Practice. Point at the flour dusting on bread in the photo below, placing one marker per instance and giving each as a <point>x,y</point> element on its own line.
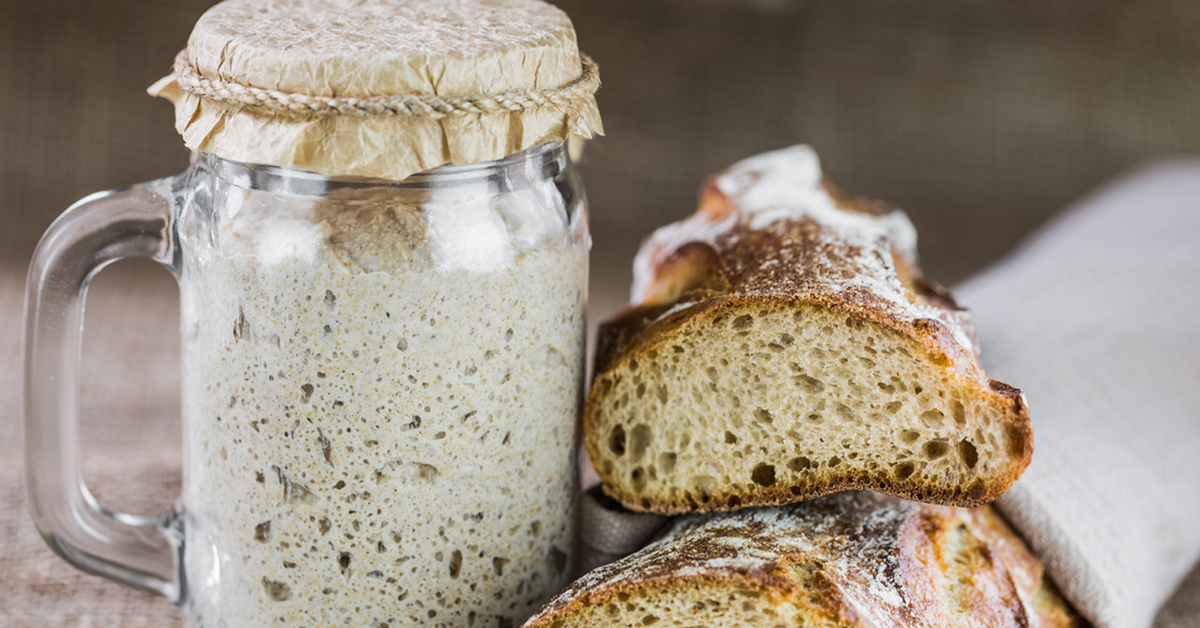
<point>855,560</point>
<point>782,344</point>
<point>787,184</point>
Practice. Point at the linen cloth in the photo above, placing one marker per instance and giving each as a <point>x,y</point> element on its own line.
<point>1097,319</point>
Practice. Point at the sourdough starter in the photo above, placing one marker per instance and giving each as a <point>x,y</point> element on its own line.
<point>380,407</point>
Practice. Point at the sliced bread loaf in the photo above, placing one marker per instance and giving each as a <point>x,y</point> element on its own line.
<point>782,345</point>
<point>854,560</point>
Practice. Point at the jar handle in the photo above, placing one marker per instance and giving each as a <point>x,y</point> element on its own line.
<point>142,552</point>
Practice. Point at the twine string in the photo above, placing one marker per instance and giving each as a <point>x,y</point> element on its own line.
<point>432,107</point>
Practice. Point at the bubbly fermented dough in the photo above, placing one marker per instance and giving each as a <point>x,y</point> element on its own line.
<point>380,415</point>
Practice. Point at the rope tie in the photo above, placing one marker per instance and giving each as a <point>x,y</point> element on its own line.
<point>432,107</point>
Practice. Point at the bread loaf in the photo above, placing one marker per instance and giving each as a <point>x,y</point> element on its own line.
<point>782,345</point>
<point>859,559</point>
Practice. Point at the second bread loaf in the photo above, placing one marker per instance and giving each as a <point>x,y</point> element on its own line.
<point>854,560</point>
<point>783,345</point>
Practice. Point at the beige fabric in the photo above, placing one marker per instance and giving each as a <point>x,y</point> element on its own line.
<point>608,532</point>
<point>481,50</point>
<point>1096,319</point>
<point>42,591</point>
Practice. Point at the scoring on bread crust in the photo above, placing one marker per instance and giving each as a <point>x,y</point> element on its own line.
<point>782,345</point>
<point>853,250</point>
<point>858,560</point>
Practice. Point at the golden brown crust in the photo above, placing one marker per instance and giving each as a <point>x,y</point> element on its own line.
<point>726,261</point>
<point>852,560</point>
<point>799,261</point>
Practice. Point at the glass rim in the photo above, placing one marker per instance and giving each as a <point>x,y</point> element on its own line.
<point>287,179</point>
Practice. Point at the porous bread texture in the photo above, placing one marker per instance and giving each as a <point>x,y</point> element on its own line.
<point>782,345</point>
<point>775,403</point>
<point>854,560</point>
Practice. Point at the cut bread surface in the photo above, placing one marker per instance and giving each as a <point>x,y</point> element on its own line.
<point>782,345</point>
<point>773,402</point>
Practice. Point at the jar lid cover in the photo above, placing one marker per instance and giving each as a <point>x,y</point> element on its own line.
<point>380,88</point>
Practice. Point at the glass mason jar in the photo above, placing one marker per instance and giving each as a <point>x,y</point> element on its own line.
<point>381,388</point>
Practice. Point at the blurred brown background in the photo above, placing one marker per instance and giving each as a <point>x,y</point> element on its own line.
<point>979,117</point>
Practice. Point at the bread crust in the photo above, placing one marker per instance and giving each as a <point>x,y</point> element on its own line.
<point>858,560</point>
<point>857,258</point>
